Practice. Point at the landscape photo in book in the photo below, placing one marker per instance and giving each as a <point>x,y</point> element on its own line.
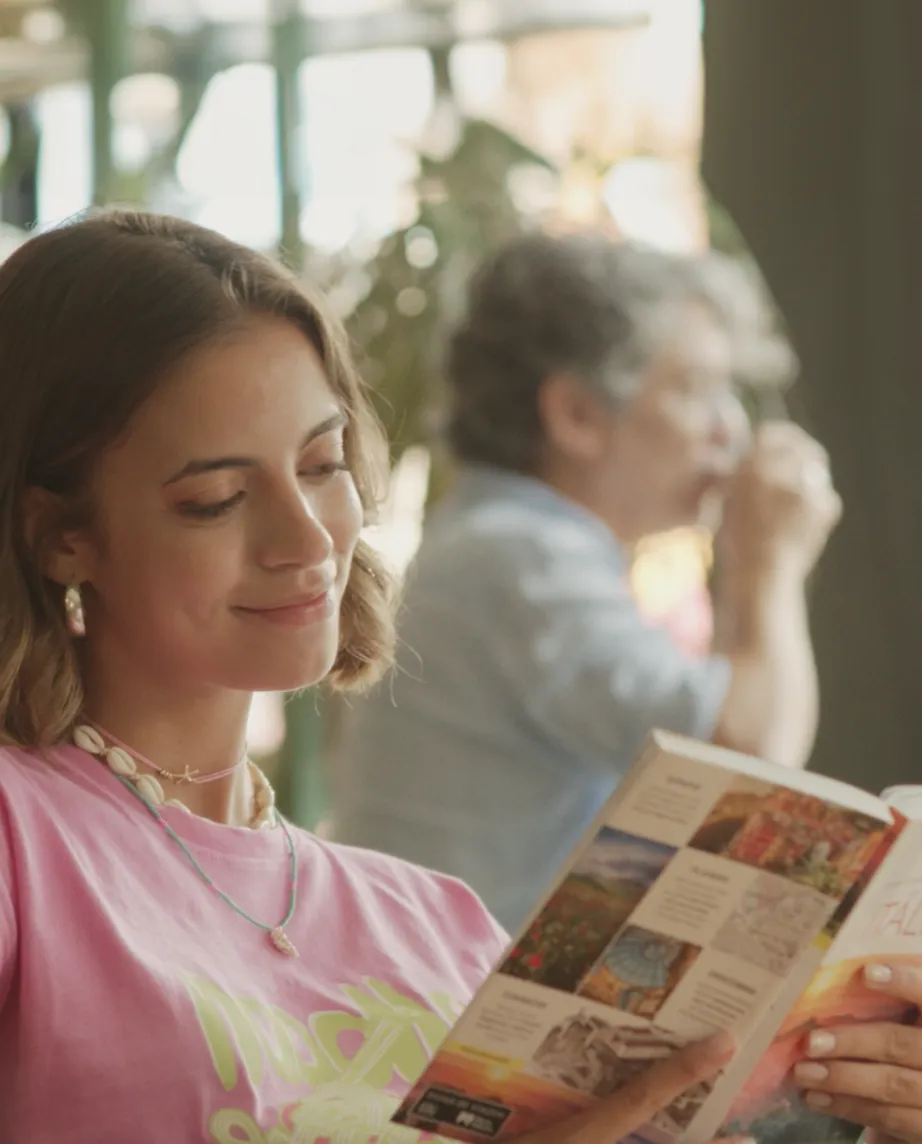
<point>586,911</point>
<point>782,831</point>
<point>581,1058</point>
<point>484,1098</point>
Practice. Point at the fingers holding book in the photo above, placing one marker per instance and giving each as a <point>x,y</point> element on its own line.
<point>617,1116</point>
<point>871,1074</point>
<point>890,1120</point>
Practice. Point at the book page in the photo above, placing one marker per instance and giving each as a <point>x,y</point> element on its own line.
<point>885,924</point>
<point>807,782</point>
<point>696,898</point>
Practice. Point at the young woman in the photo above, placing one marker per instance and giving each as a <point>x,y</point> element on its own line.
<point>186,461</point>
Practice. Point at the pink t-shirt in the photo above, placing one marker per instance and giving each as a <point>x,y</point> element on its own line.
<point>137,1008</point>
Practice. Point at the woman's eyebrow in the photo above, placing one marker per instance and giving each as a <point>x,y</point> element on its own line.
<point>212,464</point>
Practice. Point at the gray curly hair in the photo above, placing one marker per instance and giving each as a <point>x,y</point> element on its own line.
<point>600,309</point>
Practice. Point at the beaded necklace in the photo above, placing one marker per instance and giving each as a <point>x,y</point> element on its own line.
<point>279,939</point>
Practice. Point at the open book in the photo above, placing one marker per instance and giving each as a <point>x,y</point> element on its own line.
<point>713,891</point>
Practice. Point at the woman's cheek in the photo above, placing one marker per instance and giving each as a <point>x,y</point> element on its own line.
<point>344,513</point>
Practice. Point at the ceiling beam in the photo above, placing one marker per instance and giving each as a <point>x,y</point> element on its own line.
<point>27,68</point>
<point>436,28</point>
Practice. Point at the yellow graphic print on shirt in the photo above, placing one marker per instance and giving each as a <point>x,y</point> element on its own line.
<point>348,1102</point>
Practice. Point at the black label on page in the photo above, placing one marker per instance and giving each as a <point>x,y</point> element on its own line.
<point>446,1107</point>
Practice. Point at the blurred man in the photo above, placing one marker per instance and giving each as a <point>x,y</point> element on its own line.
<point>594,402</point>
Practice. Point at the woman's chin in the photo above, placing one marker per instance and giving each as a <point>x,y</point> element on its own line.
<point>284,676</point>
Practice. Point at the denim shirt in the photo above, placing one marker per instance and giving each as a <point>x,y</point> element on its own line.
<point>526,682</point>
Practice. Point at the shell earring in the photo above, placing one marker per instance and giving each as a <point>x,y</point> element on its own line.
<point>73,611</point>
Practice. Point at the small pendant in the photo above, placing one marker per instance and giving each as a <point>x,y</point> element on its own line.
<point>282,942</point>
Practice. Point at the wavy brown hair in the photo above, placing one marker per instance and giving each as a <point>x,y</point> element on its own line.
<point>93,315</point>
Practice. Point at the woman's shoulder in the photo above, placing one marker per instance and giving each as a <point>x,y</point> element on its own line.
<point>21,770</point>
<point>35,770</point>
<point>432,909</point>
<point>40,784</point>
<point>403,878</point>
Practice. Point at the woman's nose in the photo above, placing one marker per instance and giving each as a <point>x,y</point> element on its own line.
<point>294,535</point>
<point>730,428</point>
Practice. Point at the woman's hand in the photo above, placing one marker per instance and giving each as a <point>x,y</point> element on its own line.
<point>781,503</point>
<point>619,1115</point>
<point>871,1074</point>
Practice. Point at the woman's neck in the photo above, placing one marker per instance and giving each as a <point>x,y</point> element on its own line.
<point>202,735</point>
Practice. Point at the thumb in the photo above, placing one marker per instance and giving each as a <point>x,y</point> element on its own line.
<point>620,1114</point>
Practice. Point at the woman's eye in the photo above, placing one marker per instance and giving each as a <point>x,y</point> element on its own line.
<point>210,511</point>
<point>324,469</point>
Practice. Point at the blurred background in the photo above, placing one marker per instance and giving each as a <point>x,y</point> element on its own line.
<point>381,147</point>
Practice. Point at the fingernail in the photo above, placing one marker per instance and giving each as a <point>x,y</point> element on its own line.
<point>819,1044</point>
<point>818,1099</point>
<point>878,974</point>
<point>808,1071</point>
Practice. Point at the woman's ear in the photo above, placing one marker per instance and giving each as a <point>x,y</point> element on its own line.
<point>56,549</point>
<point>574,419</point>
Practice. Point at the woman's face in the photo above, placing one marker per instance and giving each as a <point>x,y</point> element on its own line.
<point>225,523</point>
<point>675,446</point>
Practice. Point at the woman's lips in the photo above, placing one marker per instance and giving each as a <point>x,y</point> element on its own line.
<point>298,614</point>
